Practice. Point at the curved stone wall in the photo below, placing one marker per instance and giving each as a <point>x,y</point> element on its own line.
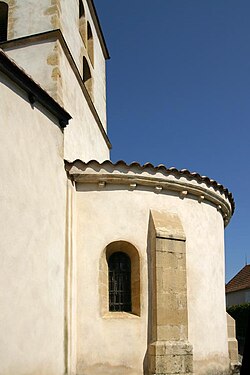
<point>115,205</point>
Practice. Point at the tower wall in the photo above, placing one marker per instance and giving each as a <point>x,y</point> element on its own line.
<point>31,17</point>
<point>51,50</point>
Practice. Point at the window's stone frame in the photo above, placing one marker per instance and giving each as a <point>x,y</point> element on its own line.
<point>132,252</point>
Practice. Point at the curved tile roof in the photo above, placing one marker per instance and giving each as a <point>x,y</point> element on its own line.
<point>161,168</point>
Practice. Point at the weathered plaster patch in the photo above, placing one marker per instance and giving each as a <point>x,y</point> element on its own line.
<point>212,366</point>
<point>54,11</point>
<point>53,59</point>
<point>107,369</point>
<point>56,74</point>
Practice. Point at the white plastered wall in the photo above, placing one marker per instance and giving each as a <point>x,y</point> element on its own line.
<point>34,60</point>
<point>53,72</point>
<point>83,138</point>
<point>32,17</point>
<point>32,238</point>
<point>118,345</point>
<point>29,16</point>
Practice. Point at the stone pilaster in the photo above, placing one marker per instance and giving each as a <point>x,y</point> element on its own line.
<point>232,345</point>
<point>169,350</point>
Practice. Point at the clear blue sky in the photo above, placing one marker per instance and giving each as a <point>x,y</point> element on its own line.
<point>178,87</point>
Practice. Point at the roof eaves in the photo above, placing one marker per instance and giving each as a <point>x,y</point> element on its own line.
<point>164,169</point>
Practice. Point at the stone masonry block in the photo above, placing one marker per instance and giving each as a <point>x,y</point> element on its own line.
<point>172,246</point>
<point>233,350</point>
<point>173,279</point>
<point>171,364</point>
<point>160,348</point>
<point>168,332</point>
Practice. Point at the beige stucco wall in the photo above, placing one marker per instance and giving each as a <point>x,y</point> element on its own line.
<point>32,221</point>
<point>117,345</point>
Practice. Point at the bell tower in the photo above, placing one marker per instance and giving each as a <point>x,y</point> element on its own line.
<point>60,44</point>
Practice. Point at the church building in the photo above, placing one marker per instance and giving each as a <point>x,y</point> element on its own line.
<point>106,268</point>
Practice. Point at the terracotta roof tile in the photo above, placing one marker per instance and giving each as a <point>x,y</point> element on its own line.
<point>164,169</point>
<point>239,281</point>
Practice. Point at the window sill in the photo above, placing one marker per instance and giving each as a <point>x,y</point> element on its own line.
<point>120,315</point>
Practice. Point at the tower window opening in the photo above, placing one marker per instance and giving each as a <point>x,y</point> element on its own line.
<point>90,45</point>
<point>4,8</point>
<point>87,78</point>
<point>119,266</point>
<point>81,9</point>
<point>82,22</point>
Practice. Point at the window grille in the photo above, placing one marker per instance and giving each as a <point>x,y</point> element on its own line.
<point>119,282</point>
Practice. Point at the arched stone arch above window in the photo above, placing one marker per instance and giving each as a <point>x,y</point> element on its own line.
<point>120,289</point>
<point>4,9</point>
<point>82,22</point>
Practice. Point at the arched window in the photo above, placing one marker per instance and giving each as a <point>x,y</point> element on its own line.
<point>90,44</point>
<point>87,79</point>
<point>119,266</point>
<point>82,21</point>
<point>3,21</point>
<point>119,279</point>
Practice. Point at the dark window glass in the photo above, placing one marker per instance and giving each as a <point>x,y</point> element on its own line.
<point>81,9</point>
<point>3,21</point>
<point>86,70</point>
<point>119,282</point>
<point>89,32</point>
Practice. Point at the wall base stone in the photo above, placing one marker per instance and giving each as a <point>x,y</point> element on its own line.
<point>235,369</point>
<point>170,357</point>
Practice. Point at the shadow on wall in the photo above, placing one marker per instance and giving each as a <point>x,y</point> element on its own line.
<point>149,322</point>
